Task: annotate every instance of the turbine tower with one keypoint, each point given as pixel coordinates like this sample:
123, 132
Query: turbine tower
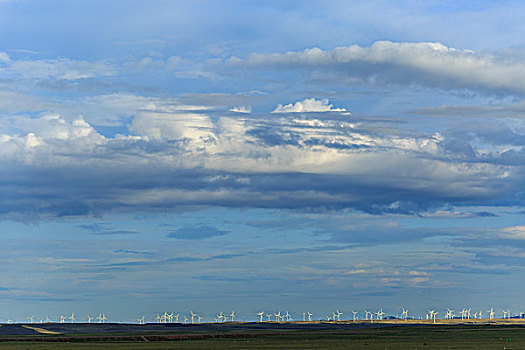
232, 315
310, 316
260, 314
404, 314
338, 314
72, 317
355, 314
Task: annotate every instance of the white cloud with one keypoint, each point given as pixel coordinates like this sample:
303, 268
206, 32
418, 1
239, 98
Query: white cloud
4, 58
308, 105
173, 126
241, 109
59, 68
424, 63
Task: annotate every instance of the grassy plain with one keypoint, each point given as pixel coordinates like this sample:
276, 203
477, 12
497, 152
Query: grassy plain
397, 337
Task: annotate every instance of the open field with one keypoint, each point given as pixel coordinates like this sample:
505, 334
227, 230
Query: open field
289, 335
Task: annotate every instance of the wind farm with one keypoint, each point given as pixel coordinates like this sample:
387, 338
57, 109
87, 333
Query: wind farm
374, 329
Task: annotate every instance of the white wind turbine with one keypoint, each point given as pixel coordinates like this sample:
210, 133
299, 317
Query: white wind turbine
366, 314
31, 319
508, 313
404, 314
72, 317
158, 318
433, 315
170, 317
288, 316
480, 315
338, 314
278, 316
304, 316
176, 318
355, 314
380, 314
468, 314
199, 319
463, 313
192, 316
232, 315
260, 314
269, 316
90, 319
491, 313
142, 319
62, 319
450, 314
186, 319
310, 316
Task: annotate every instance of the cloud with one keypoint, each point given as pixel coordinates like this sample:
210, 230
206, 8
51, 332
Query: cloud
59, 68
308, 105
4, 58
241, 109
197, 232
181, 157
429, 64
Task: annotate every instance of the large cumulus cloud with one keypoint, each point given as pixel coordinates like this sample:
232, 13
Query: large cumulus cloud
59, 166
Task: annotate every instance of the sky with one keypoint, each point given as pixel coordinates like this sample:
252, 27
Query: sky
260, 155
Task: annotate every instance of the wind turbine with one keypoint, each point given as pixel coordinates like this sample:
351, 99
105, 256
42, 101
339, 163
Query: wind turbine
232, 315
72, 317
404, 314
366, 314
270, 315
380, 314
170, 318
158, 318
288, 316
185, 319
338, 315
62, 319
463, 313
433, 314
142, 319
192, 316
304, 316
260, 314
504, 314
468, 314
89, 319
310, 316
491, 313
355, 314
449, 315
176, 318
31, 319
278, 316
199, 318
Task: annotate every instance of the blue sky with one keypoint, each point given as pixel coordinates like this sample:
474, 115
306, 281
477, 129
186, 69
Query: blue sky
254, 155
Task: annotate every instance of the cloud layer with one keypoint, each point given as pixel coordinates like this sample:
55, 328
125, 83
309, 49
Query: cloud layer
429, 64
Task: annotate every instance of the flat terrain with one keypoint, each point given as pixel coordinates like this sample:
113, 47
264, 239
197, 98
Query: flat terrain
288, 335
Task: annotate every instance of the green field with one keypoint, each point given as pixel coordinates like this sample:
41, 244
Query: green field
418, 337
